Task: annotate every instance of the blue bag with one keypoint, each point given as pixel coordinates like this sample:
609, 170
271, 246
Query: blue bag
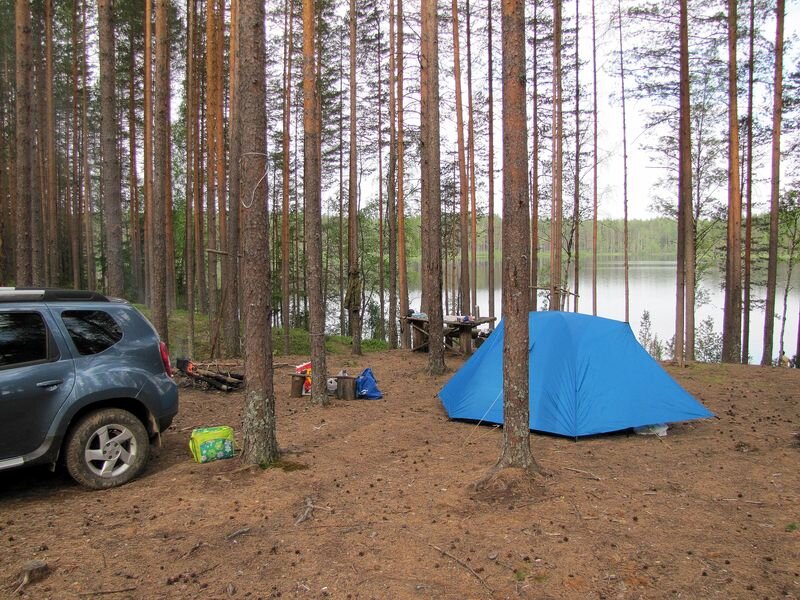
367, 386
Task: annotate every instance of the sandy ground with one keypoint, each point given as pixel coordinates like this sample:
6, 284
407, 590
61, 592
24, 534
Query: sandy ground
710, 511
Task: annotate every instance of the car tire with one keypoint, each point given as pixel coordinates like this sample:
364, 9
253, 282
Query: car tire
106, 448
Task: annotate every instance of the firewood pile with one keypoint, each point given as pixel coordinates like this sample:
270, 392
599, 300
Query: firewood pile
214, 375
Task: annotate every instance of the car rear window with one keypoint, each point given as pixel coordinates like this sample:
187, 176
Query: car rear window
23, 338
92, 331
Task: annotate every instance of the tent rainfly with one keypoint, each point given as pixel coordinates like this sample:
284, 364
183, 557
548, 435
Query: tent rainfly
587, 375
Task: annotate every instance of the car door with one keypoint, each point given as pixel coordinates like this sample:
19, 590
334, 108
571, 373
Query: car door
36, 378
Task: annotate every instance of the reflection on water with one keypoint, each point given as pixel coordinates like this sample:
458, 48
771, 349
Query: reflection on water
652, 288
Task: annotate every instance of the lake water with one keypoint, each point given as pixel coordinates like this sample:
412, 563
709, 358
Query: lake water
652, 288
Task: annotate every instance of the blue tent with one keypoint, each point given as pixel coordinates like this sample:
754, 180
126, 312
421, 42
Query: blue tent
587, 375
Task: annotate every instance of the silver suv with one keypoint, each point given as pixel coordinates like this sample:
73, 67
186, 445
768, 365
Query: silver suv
83, 378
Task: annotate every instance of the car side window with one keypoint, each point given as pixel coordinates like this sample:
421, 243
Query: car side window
23, 339
92, 331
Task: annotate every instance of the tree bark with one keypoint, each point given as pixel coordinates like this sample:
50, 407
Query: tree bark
685, 257
380, 330
75, 223
516, 240
231, 330
353, 296
772, 261
749, 190
212, 147
51, 237
287, 109
594, 160
490, 217
534, 183
463, 184
313, 204
111, 185
472, 188
431, 184
193, 118
576, 206
624, 167
38, 177
7, 214
133, 181
161, 179
147, 167
556, 212
732, 318
391, 182
260, 445
24, 268
88, 225
402, 265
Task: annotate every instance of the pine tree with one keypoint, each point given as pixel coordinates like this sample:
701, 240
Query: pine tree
313, 210
260, 445
431, 185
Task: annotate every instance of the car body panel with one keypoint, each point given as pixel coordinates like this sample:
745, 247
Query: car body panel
129, 373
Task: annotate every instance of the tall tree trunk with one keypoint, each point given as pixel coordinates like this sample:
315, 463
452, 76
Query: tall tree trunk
169, 222
7, 217
516, 231
576, 206
312, 172
749, 190
340, 245
220, 140
401, 202
133, 180
212, 147
490, 224
472, 188
193, 118
199, 183
51, 237
287, 109
685, 255
556, 213
463, 185
24, 268
260, 444
75, 233
431, 215
732, 319
534, 183
624, 166
231, 334
777, 110
88, 224
161, 179
594, 160
391, 182
380, 332
353, 298
147, 168
111, 185
38, 184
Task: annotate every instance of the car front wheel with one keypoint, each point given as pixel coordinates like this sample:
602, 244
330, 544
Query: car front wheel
107, 448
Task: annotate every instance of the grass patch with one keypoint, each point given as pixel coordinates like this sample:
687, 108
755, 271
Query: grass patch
791, 527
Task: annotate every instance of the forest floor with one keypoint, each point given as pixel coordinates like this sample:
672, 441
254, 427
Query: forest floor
711, 510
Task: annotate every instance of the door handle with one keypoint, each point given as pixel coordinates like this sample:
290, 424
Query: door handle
50, 383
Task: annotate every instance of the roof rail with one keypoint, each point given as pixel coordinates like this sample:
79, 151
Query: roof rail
24, 294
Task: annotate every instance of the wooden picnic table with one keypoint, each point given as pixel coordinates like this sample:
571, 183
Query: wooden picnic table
454, 331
